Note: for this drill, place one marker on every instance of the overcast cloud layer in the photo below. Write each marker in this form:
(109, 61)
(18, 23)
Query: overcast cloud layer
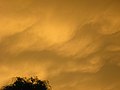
(75, 44)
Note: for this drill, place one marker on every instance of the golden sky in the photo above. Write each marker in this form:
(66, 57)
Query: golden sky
(75, 44)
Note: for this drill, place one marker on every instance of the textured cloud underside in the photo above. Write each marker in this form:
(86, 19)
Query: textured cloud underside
(74, 44)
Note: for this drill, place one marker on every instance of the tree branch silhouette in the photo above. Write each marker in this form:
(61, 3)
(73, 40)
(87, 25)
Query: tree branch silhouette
(32, 83)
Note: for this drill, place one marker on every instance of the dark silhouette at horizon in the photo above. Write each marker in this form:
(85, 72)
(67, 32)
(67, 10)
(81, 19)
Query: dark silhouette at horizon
(32, 83)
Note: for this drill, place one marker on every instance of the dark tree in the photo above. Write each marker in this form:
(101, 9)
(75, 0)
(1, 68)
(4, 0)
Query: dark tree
(32, 83)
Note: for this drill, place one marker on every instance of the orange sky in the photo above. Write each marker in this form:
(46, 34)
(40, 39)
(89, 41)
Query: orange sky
(75, 44)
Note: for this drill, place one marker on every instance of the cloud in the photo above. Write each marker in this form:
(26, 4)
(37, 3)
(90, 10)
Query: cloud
(72, 44)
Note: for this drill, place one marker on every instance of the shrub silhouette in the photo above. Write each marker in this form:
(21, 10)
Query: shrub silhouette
(32, 83)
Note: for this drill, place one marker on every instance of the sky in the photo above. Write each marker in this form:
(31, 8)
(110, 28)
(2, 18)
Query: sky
(75, 44)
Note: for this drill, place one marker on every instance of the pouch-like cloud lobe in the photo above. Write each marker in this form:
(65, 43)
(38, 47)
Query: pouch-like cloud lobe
(74, 44)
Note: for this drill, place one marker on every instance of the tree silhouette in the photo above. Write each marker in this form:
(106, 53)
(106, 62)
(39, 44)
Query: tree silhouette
(32, 83)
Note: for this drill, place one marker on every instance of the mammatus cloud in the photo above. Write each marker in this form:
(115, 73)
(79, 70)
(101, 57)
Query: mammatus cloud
(72, 47)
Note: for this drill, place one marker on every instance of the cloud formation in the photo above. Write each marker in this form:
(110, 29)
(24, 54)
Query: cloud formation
(73, 44)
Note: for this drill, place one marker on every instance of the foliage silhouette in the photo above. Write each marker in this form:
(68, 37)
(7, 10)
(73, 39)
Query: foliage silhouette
(32, 83)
